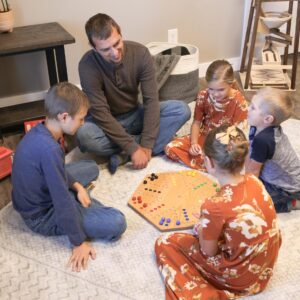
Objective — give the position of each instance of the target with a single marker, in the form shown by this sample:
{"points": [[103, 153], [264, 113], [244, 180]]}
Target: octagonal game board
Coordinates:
{"points": [[168, 200]]}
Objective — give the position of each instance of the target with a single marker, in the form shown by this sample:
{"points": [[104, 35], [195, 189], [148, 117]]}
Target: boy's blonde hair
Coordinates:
{"points": [[276, 103], [228, 147], [64, 97], [220, 70]]}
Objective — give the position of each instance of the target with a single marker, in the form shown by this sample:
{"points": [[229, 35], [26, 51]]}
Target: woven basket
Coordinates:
{"points": [[183, 82]]}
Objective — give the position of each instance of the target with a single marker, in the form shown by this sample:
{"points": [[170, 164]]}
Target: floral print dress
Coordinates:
{"points": [[211, 115], [243, 220]]}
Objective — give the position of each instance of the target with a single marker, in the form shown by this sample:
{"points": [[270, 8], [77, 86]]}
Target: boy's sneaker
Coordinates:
{"points": [[295, 204]]}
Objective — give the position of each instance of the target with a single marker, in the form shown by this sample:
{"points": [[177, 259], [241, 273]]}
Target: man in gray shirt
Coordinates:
{"points": [[112, 74]]}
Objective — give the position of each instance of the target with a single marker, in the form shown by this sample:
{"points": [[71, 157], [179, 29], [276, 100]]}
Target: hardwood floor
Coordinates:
{"points": [[11, 139]]}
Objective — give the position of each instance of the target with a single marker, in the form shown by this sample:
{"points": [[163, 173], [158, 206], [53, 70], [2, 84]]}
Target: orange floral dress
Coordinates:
{"points": [[243, 220], [211, 115]]}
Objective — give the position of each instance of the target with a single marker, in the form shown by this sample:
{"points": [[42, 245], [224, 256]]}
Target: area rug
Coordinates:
{"points": [[34, 267]]}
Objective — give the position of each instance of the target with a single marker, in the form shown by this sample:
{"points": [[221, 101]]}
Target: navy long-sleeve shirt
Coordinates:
{"points": [[40, 182]]}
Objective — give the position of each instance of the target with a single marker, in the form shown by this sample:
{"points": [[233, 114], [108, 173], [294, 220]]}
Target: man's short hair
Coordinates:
{"points": [[64, 97], [100, 26], [277, 103]]}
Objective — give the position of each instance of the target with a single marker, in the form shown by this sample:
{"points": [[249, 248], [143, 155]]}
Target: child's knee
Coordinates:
{"points": [[94, 170], [115, 228], [170, 153], [168, 148], [187, 112], [90, 168], [120, 226], [184, 111]]}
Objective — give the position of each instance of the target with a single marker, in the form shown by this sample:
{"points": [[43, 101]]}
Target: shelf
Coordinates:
{"points": [[49, 38], [17, 114], [254, 86], [272, 65]]}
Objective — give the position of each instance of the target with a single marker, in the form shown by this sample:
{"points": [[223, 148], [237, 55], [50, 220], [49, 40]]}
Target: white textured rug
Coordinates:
{"points": [[33, 267]]}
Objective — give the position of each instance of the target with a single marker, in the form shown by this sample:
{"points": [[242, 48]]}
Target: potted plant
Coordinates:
{"points": [[6, 17]]}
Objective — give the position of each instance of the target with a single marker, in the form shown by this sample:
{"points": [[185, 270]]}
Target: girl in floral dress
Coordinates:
{"points": [[220, 104], [236, 241]]}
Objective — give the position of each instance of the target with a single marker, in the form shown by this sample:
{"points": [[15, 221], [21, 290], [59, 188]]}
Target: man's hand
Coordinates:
{"points": [[139, 158], [82, 194], [148, 152], [80, 256], [195, 149]]}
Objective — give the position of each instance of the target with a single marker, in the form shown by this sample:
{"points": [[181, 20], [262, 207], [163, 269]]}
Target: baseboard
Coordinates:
{"points": [[20, 99], [234, 61]]}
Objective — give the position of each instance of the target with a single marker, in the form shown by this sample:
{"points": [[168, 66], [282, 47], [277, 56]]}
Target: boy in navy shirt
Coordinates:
{"points": [[272, 157], [50, 196]]}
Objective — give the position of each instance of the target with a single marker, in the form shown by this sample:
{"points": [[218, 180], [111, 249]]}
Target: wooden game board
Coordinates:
{"points": [[167, 200]]}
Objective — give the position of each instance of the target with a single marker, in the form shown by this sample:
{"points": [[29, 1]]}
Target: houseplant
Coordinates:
{"points": [[6, 17]]}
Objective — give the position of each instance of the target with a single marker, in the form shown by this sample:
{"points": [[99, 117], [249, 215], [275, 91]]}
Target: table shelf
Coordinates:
{"points": [[49, 38]]}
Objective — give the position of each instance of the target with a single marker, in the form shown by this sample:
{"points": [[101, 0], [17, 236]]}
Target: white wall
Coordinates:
{"points": [[214, 26]]}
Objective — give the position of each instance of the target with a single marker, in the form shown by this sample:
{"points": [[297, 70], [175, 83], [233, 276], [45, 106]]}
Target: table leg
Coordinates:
{"points": [[51, 66], [296, 47], [61, 63], [252, 43]]}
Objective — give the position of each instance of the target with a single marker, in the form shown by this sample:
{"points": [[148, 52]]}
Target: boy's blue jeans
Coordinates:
{"points": [[282, 199], [173, 114], [98, 221]]}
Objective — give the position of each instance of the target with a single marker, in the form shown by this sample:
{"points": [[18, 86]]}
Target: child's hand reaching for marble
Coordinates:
{"points": [[195, 150]]}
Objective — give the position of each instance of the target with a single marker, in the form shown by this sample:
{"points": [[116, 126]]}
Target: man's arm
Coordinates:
{"points": [[149, 89], [150, 101]]}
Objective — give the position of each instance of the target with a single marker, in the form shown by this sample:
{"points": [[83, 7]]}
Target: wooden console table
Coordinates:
{"points": [[50, 38]]}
